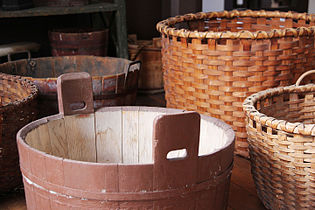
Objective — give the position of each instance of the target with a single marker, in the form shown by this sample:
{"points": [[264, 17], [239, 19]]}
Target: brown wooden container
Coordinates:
{"points": [[59, 3], [213, 61], [124, 157], [149, 53], [114, 79], [79, 42], [18, 107], [281, 134]]}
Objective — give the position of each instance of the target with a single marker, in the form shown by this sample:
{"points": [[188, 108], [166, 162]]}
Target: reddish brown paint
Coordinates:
{"points": [[99, 185], [78, 42], [196, 182], [113, 85]]}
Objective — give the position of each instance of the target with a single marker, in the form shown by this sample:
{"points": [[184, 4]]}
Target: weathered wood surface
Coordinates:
{"points": [[47, 11]]}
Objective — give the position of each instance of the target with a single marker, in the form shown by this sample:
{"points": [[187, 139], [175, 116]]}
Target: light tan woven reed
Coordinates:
{"points": [[280, 124], [213, 61]]}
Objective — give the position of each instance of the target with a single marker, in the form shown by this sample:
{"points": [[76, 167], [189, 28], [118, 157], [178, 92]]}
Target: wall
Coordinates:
{"points": [[311, 6], [212, 5], [143, 15]]}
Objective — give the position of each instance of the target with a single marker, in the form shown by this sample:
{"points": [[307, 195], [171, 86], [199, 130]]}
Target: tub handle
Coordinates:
{"points": [[134, 65], [303, 76], [176, 133], [29, 56], [75, 93], [129, 80]]}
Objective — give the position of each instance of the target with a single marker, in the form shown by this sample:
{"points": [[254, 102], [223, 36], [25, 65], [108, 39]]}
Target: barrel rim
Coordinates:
{"points": [[71, 31], [124, 71], [22, 133]]}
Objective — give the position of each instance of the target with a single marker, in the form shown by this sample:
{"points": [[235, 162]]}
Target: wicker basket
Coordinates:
{"points": [[281, 135], [213, 61], [17, 109]]}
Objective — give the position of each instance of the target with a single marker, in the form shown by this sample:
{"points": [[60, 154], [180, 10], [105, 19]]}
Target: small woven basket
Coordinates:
{"points": [[17, 108], [213, 61], [280, 123]]}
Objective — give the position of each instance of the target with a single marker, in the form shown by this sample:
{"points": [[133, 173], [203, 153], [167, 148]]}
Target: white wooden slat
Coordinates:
{"points": [[145, 136], [43, 135], [109, 136], [130, 136], [57, 133], [80, 135]]}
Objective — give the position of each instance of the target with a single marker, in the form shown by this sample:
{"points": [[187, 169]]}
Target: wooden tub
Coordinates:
{"points": [[124, 157], [115, 80]]}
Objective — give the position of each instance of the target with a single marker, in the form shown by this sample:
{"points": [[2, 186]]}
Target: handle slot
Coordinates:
{"points": [[75, 93], [77, 106], [179, 154]]}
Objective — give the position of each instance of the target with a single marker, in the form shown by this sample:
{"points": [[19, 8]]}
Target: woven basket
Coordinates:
{"points": [[213, 61], [281, 135], [17, 109]]}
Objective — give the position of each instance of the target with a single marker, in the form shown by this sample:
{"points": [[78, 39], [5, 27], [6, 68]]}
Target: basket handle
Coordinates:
{"points": [[304, 75], [75, 93], [175, 149]]}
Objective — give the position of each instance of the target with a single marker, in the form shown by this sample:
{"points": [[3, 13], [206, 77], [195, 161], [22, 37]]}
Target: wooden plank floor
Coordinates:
{"points": [[242, 190]]}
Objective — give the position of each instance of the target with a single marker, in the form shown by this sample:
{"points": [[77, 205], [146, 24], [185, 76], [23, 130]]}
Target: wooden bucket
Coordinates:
{"points": [[123, 157], [149, 53], [60, 3], [114, 79], [79, 42], [17, 108]]}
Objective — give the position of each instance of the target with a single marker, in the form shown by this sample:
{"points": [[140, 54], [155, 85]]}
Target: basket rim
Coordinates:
{"points": [[24, 82], [283, 125], [164, 26]]}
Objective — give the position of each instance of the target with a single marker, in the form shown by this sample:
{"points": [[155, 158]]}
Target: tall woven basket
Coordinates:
{"points": [[213, 61], [17, 108], [281, 133]]}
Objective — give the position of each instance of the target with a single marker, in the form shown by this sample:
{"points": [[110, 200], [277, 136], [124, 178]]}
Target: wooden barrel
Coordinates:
{"points": [[149, 53], [79, 42], [17, 108], [123, 157], [59, 3], [115, 80]]}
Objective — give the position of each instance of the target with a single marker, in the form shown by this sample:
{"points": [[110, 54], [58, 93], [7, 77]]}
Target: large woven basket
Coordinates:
{"points": [[213, 61], [280, 124], [17, 109]]}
